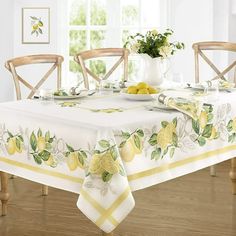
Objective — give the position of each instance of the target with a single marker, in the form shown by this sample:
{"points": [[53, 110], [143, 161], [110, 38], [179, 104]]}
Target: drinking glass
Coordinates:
{"points": [[105, 87], [46, 94]]}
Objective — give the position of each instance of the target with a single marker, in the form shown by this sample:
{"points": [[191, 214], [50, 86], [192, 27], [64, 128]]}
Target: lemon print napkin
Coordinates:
{"points": [[189, 107]]}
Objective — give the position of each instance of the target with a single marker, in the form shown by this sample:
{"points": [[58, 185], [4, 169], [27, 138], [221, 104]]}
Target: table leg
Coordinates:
{"points": [[44, 190], [4, 195], [107, 234], [232, 174]]}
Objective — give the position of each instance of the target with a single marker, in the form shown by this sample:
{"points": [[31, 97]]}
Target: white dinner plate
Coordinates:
{"points": [[201, 87], [68, 97], [137, 97]]}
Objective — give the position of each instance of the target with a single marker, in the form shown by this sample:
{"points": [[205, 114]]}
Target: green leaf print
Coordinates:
{"points": [[44, 155], [231, 138], [207, 131], [83, 154], [210, 117], [122, 144], [37, 159], [47, 136], [71, 149], [175, 122], [230, 126], [18, 143], [201, 141], [140, 132], [125, 135], [39, 133], [196, 126], [156, 154], [137, 141], [164, 124], [20, 138], [33, 141], [153, 139], [106, 176], [81, 159], [175, 140], [10, 134], [104, 143], [172, 151], [113, 153]]}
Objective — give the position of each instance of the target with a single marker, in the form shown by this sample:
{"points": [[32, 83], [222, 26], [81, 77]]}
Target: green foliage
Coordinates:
{"points": [[153, 43], [130, 15], [98, 13]]}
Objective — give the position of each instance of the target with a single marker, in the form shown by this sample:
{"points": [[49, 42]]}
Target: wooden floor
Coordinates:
{"points": [[193, 205]]}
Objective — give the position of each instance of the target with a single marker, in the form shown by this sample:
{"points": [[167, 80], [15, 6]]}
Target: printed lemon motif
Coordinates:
{"points": [[11, 146], [96, 165], [203, 119], [50, 161], [35, 27], [41, 143], [109, 164], [127, 151], [72, 161], [234, 124], [214, 133], [165, 135]]}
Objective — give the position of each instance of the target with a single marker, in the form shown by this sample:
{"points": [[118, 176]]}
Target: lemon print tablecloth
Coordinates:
{"points": [[103, 148]]}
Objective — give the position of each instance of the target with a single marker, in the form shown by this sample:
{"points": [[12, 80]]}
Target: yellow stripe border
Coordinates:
{"points": [[173, 165], [41, 170]]}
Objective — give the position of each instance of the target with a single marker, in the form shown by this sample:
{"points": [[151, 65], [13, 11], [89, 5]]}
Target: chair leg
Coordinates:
{"points": [[213, 171], [44, 190], [4, 195], [107, 234], [232, 174]]}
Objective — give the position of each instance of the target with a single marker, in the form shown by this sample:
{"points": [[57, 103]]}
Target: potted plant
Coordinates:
{"points": [[154, 48]]}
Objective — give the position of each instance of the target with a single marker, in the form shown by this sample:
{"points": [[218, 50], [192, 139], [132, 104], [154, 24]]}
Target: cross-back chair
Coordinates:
{"points": [[122, 53], [11, 65], [201, 47]]}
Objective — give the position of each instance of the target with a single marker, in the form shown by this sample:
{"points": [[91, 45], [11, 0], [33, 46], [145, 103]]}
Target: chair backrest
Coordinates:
{"points": [[122, 53], [217, 46], [12, 64]]}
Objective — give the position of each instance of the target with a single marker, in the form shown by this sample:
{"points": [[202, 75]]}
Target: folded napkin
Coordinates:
{"points": [[189, 107]]}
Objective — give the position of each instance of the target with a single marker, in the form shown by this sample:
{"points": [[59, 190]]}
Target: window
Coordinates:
{"points": [[107, 23]]}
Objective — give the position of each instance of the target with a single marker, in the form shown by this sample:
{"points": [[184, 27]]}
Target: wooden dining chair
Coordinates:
{"points": [[200, 49], [51, 59], [121, 53]]}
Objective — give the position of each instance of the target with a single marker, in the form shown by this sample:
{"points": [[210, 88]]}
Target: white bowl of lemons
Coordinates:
{"points": [[140, 92]]}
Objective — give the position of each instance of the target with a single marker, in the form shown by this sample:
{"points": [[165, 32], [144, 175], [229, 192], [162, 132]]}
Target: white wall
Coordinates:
{"points": [[192, 21], [6, 49]]}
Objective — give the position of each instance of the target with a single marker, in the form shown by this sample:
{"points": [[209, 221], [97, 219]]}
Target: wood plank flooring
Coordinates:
{"points": [[193, 205]]}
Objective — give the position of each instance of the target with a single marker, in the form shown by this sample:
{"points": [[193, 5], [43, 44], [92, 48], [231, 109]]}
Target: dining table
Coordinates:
{"points": [[104, 147]]}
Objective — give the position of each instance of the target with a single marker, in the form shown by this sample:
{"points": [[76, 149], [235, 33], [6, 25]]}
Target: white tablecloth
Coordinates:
{"points": [[103, 148]]}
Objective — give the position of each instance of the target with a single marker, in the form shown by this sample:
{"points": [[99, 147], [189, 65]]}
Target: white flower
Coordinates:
{"points": [[154, 32], [135, 47], [165, 51]]}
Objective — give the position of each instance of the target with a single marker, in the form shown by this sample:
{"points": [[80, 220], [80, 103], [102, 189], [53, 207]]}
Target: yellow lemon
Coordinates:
{"points": [[35, 27], [109, 164], [152, 90], [127, 151], [135, 148], [142, 85], [72, 161], [50, 161], [11, 146], [132, 90], [203, 119], [143, 91], [96, 165], [213, 133], [41, 143], [234, 124], [165, 136]]}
